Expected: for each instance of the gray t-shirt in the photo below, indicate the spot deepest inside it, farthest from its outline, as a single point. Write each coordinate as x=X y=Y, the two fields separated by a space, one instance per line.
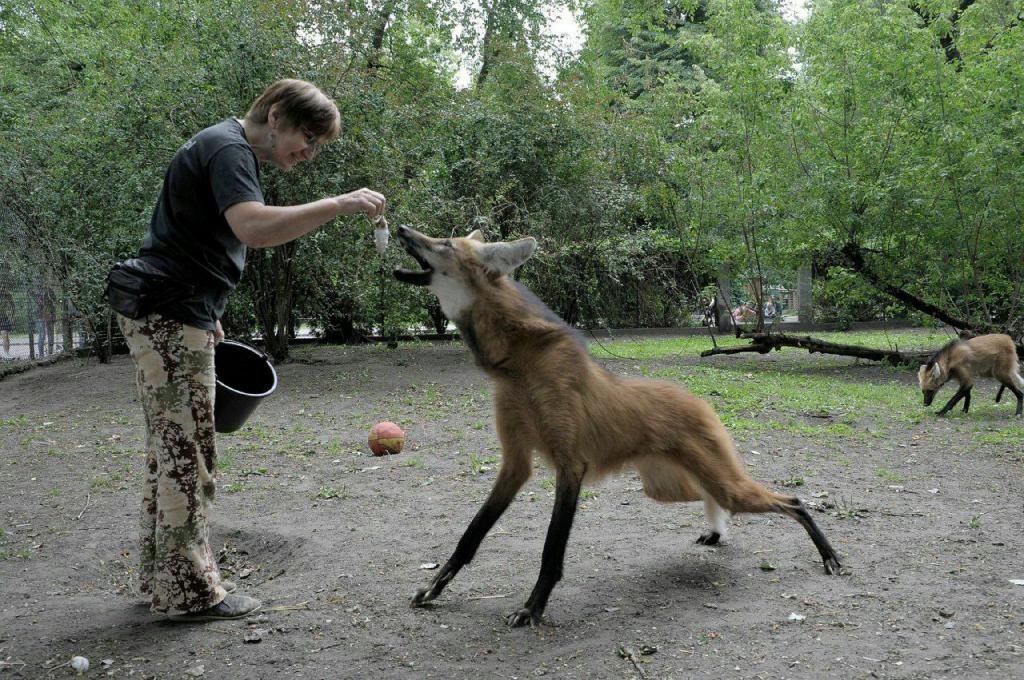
x=188 y=235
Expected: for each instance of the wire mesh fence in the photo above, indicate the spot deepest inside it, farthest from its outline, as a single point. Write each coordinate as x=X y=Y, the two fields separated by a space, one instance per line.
x=37 y=319
x=37 y=316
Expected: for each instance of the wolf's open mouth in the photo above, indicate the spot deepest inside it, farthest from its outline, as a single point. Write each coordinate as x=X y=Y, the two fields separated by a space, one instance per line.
x=416 y=278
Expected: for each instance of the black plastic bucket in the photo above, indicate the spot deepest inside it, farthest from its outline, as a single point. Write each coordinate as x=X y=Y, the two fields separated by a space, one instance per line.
x=244 y=377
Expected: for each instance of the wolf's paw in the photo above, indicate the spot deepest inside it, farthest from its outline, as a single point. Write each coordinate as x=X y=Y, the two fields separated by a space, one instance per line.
x=709 y=538
x=832 y=566
x=422 y=597
x=524 y=617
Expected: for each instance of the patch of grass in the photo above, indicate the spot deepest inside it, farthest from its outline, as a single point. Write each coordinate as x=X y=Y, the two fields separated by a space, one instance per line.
x=256 y=433
x=226 y=460
x=329 y=492
x=336 y=447
x=791 y=482
x=548 y=483
x=588 y=494
x=101 y=483
x=252 y=472
x=1007 y=435
x=235 y=487
x=481 y=464
x=428 y=400
x=744 y=395
x=890 y=475
x=416 y=463
x=902 y=340
x=15 y=555
x=658 y=348
x=16 y=421
x=843 y=508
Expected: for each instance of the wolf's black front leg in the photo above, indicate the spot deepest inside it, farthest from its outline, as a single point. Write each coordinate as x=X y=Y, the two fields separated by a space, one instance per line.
x=960 y=394
x=505 y=489
x=567 y=492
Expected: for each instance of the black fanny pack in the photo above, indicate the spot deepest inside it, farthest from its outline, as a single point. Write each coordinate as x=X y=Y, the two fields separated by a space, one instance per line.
x=136 y=288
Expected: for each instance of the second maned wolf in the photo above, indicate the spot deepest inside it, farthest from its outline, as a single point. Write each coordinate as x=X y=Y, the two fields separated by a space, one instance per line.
x=552 y=399
x=984 y=356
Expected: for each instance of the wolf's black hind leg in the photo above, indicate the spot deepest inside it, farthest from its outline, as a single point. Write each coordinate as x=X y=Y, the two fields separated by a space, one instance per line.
x=709 y=538
x=828 y=554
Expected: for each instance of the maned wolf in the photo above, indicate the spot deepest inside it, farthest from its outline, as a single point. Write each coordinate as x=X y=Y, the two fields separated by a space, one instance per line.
x=550 y=397
x=987 y=356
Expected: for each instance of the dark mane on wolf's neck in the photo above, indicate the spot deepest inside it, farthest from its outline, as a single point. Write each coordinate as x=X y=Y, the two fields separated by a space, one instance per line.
x=943 y=351
x=546 y=312
x=509 y=313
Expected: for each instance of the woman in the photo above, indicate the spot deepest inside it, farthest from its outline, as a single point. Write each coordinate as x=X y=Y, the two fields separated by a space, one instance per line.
x=209 y=211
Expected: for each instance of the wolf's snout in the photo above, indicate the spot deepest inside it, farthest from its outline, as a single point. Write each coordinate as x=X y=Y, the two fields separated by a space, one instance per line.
x=407 y=237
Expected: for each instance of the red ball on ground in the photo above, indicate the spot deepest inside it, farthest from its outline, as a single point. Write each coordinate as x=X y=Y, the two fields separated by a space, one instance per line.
x=385 y=438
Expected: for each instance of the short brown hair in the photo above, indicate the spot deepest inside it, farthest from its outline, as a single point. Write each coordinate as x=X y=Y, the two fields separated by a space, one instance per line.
x=301 y=104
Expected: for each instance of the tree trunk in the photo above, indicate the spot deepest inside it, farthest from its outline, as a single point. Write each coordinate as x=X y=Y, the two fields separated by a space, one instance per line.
x=437 y=317
x=272 y=296
x=487 y=48
x=805 y=295
x=373 y=60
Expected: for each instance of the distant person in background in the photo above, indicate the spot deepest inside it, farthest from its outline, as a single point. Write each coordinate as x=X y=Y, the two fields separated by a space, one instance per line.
x=7 y=313
x=769 y=308
x=744 y=313
x=711 y=314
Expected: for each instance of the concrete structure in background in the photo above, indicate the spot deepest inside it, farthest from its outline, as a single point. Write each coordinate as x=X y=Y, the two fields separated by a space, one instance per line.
x=805 y=295
x=724 y=298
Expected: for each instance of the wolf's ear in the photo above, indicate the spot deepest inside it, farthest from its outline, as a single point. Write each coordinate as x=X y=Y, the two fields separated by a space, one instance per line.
x=936 y=372
x=477 y=235
x=504 y=258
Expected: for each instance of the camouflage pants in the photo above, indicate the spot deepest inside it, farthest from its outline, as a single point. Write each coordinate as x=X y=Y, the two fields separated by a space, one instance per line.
x=176 y=384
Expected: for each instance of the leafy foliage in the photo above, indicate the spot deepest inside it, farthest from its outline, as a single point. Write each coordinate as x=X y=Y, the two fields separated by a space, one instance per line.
x=685 y=136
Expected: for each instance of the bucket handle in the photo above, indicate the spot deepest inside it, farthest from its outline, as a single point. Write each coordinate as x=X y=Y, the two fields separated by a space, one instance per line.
x=263 y=355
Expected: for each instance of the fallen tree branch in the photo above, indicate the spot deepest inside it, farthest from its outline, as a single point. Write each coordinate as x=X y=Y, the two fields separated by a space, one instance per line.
x=763 y=343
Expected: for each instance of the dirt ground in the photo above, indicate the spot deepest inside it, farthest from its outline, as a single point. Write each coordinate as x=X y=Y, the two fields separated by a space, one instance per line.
x=336 y=541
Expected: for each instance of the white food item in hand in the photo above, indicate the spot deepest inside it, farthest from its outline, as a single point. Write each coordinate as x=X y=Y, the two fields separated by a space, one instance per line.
x=380 y=233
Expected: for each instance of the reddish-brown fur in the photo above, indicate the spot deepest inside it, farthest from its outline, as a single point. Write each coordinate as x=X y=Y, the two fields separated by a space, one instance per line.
x=986 y=356
x=553 y=399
